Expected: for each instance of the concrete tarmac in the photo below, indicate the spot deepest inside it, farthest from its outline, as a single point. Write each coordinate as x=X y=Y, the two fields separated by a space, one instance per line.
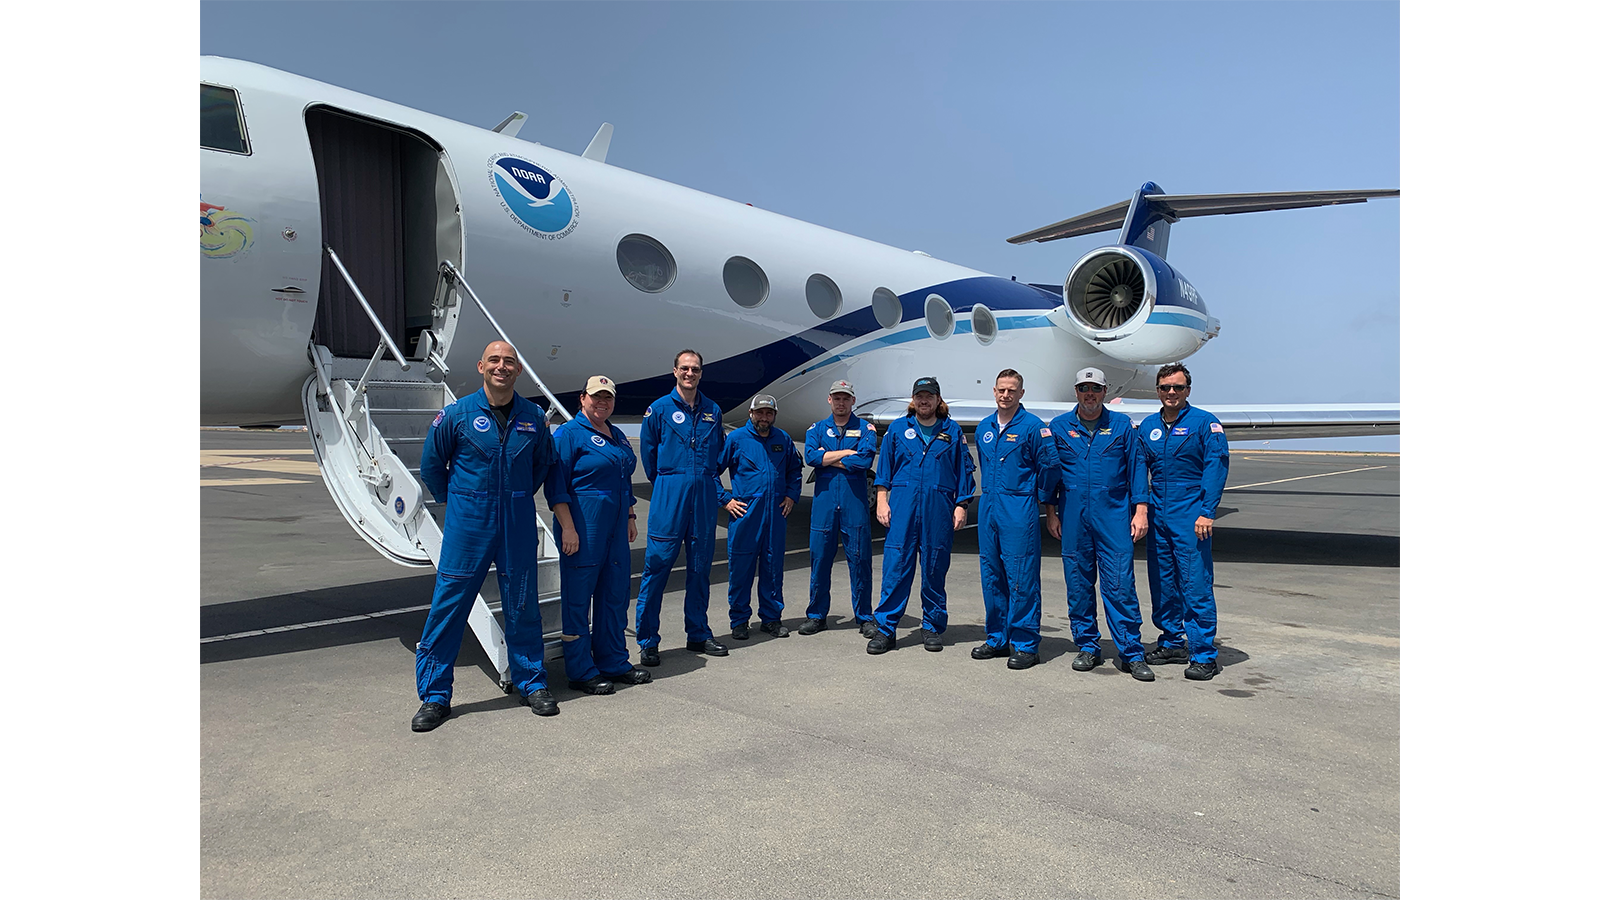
x=803 y=767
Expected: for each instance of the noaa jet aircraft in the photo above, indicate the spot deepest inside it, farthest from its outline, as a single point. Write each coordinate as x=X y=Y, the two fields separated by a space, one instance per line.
x=357 y=255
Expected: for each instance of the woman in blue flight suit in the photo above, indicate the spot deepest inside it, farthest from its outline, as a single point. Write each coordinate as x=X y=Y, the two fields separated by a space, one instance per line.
x=590 y=492
x=924 y=481
x=765 y=471
x=839 y=504
x=1186 y=461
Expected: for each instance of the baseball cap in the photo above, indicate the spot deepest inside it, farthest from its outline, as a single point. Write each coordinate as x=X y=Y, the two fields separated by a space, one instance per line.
x=764 y=401
x=926 y=384
x=599 y=383
x=1090 y=376
x=842 y=387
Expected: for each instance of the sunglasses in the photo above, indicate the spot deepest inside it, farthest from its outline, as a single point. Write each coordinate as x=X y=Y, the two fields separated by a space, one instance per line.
x=1091 y=389
x=1172 y=388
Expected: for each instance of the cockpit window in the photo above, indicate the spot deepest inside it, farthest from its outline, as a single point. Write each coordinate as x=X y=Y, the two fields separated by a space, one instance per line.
x=221 y=124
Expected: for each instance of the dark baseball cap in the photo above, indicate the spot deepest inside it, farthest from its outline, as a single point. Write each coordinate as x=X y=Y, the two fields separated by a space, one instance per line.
x=926 y=384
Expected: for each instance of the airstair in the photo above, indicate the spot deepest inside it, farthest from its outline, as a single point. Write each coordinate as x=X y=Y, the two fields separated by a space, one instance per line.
x=368 y=420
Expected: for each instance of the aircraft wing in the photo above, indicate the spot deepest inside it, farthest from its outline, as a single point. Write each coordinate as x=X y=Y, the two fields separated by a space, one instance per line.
x=1243 y=421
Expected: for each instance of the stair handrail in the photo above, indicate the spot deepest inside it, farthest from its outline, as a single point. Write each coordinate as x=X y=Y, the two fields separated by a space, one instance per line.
x=405 y=365
x=449 y=269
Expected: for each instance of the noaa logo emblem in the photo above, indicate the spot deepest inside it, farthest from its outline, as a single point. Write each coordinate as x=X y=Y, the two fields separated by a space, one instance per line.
x=399 y=506
x=597 y=440
x=988 y=437
x=1155 y=434
x=534 y=196
x=677 y=416
x=481 y=423
x=911 y=434
x=831 y=434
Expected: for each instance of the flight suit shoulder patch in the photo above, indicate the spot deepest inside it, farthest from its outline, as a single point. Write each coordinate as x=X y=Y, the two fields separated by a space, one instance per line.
x=437 y=419
x=1216 y=428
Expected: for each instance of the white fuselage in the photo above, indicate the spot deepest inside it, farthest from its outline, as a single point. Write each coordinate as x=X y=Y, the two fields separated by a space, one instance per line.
x=563 y=298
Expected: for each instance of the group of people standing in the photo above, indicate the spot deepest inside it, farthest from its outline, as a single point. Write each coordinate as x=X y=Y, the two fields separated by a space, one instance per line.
x=1101 y=483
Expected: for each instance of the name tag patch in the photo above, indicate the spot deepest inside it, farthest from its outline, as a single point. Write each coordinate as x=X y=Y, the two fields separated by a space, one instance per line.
x=854 y=432
x=1180 y=431
x=531 y=426
x=777 y=448
x=708 y=417
x=1011 y=438
x=942 y=436
x=1072 y=432
x=1105 y=431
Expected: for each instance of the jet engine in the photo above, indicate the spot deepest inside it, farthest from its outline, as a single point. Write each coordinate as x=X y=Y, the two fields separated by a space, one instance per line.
x=1131 y=305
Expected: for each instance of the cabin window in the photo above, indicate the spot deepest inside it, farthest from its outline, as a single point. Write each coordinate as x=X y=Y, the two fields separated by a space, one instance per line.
x=941 y=320
x=645 y=263
x=745 y=282
x=984 y=324
x=221 y=122
x=822 y=295
x=886 y=308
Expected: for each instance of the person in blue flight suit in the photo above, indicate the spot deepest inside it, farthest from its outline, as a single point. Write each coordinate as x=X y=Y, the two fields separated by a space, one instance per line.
x=840 y=448
x=1102 y=512
x=486 y=455
x=765 y=473
x=1184 y=453
x=680 y=444
x=590 y=493
x=1018 y=462
x=924 y=483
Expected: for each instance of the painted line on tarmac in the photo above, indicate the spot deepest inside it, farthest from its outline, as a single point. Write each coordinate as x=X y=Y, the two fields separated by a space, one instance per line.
x=1235 y=487
x=279 y=629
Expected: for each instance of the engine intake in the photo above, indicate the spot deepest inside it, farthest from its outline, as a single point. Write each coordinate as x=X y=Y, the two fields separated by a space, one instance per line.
x=1134 y=307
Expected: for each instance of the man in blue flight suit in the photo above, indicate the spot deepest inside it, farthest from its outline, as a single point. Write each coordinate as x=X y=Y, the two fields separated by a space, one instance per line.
x=486 y=455
x=840 y=448
x=765 y=473
x=680 y=444
x=1103 y=510
x=924 y=484
x=1185 y=453
x=1018 y=462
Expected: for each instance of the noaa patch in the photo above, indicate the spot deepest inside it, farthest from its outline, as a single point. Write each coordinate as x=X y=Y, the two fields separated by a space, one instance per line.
x=677 y=416
x=1180 y=431
x=911 y=434
x=1215 y=428
x=481 y=423
x=538 y=200
x=399 y=506
x=1155 y=434
x=597 y=440
x=988 y=437
x=831 y=433
x=648 y=410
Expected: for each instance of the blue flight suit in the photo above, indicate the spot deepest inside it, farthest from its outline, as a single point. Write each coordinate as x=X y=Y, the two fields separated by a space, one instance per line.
x=763 y=470
x=488 y=476
x=1187 y=467
x=595 y=479
x=1095 y=495
x=839 y=504
x=680 y=446
x=925 y=483
x=1018 y=463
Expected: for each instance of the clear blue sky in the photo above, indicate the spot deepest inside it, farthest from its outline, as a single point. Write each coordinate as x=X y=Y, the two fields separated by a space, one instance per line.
x=947 y=127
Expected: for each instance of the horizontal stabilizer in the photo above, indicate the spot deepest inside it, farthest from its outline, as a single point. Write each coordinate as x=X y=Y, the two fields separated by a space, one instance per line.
x=1173 y=207
x=1243 y=421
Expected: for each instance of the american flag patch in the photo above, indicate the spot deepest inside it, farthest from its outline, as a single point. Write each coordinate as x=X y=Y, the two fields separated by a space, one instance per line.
x=1044 y=432
x=437 y=419
x=1215 y=428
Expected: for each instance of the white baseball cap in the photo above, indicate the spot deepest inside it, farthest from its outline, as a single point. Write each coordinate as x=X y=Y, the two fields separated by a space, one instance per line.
x=1091 y=375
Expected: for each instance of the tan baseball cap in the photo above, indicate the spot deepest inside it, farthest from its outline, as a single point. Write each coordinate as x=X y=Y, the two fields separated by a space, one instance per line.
x=842 y=387
x=598 y=384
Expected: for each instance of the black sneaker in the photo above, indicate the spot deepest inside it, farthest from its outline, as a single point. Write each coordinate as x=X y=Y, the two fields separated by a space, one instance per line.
x=741 y=631
x=1137 y=669
x=1022 y=659
x=1198 y=671
x=1161 y=656
x=595 y=685
x=932 y=641
x=776 y=629
x=542 y=702
x=709 y=646
x=869 y=629
x=1087 y=660
x=632 y=676
x=430 y=716
x=882 y=642
x=812 y=626
x=989 y=651
x=649 y=656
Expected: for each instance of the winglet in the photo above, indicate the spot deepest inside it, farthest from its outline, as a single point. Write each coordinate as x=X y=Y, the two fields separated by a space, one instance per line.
x=512 y=124
x=602 y=142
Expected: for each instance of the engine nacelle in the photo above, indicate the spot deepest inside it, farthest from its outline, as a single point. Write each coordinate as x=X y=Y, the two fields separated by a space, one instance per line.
x=1131 y=305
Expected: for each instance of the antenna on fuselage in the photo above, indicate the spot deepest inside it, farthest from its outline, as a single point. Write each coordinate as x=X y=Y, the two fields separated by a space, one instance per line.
x=512 y=124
